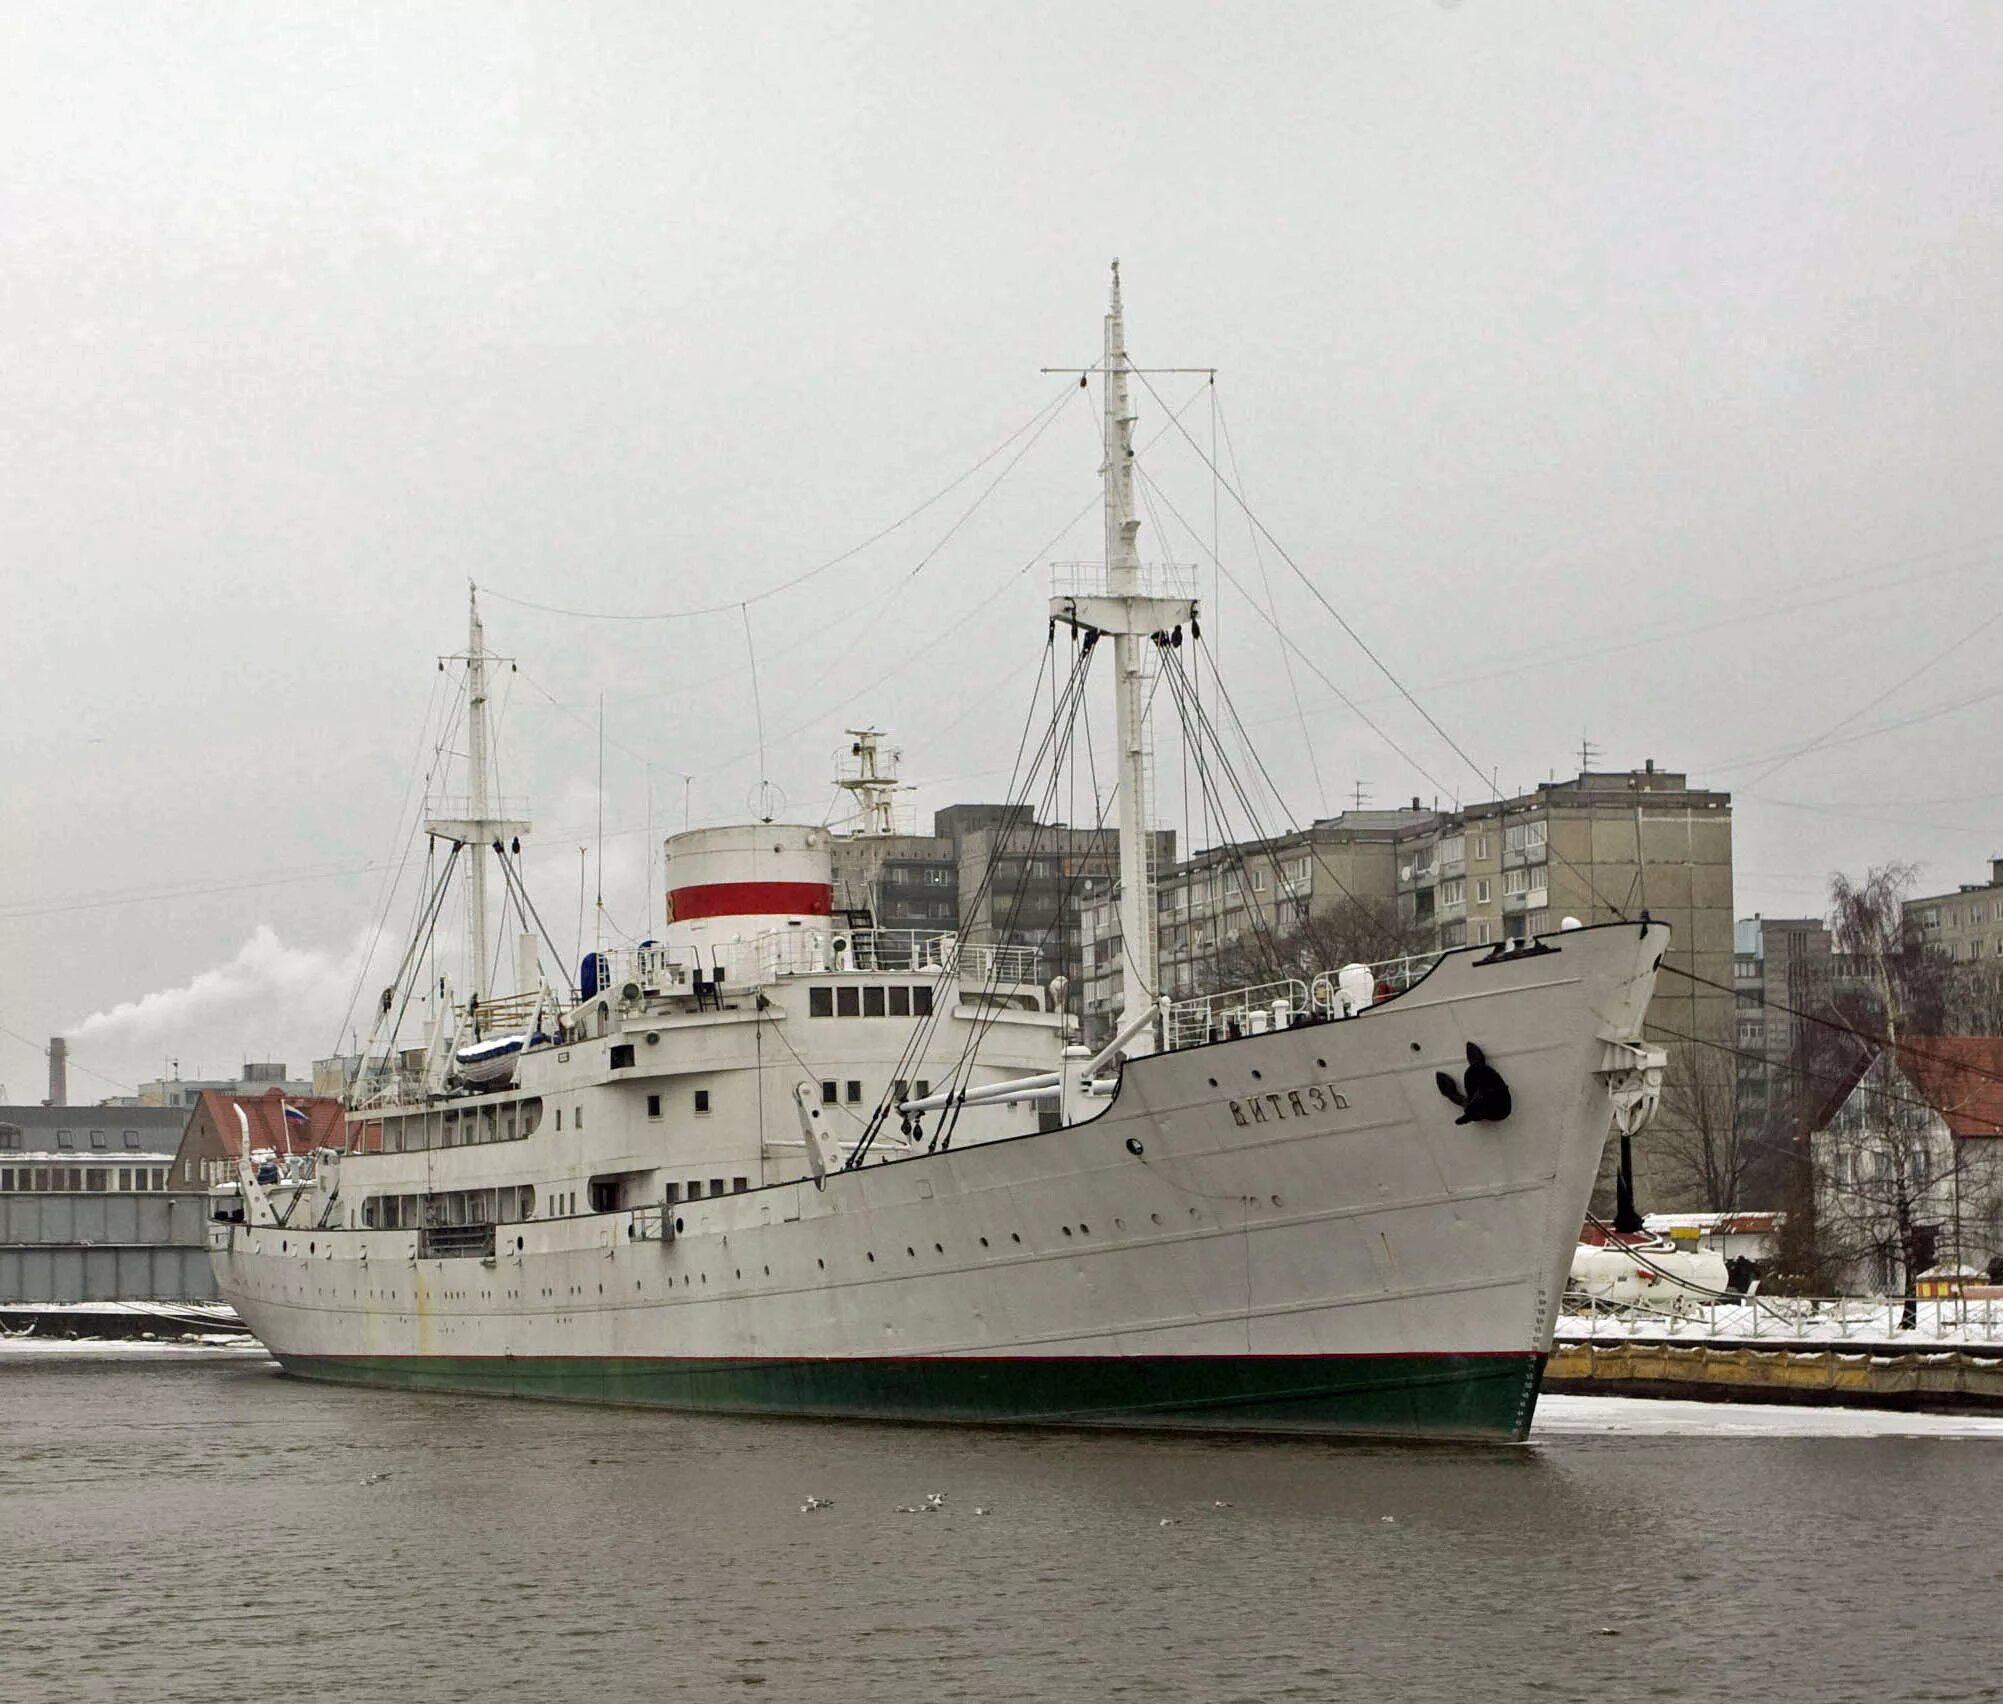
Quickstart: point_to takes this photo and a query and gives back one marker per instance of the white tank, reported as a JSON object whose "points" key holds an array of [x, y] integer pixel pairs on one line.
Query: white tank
{"points": [[737, 883], [1355, 987], [1655, 1275]]}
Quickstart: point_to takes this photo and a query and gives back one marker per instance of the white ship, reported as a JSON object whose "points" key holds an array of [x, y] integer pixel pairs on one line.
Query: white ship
{"points": [[781, 1162]]}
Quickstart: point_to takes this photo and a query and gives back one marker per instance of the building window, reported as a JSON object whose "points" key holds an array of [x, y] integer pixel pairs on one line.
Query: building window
{"points": [[1481, 891], [848, 1002], [1480, 933], [66, 1139], [97, 1139], [702, 1100], [1453, 892], [124, 1177], [653, 1106], [1481, 848], [132, 1138], [872, 1002], [820, 1002]]}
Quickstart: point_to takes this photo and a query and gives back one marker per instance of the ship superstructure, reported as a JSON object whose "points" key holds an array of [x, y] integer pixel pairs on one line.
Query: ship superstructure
{"points": [[783, 1160]]}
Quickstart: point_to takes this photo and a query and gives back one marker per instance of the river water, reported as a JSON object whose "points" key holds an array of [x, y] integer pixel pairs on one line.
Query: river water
{"points": [[191, 1527]]}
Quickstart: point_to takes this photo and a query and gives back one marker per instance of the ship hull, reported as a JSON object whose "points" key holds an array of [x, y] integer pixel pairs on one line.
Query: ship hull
{"points": [[1284, 1233], [1482, 1397]]}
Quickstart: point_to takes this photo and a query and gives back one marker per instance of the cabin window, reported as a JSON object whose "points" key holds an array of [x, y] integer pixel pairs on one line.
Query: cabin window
{"points": [[653, 1106], [820, 1002], [854, 1089], [924, 1087], [828, 1094], [716, 1186], [900, 1002], [921, 1002], [848, 1002], [738, 1185], [559, 1118], [872, 1002], [674, 1193], [577, 1118], [695, 1189], [622, 1055], [531, 1114], [702, 1100]]}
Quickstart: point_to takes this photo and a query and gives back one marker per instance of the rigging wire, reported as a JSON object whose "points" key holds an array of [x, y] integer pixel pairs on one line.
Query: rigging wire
{"points": [[1266, 583], [833, 562]]}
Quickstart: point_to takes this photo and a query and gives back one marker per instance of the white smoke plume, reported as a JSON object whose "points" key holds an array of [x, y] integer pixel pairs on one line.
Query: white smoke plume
{"points": [[268, 994]]}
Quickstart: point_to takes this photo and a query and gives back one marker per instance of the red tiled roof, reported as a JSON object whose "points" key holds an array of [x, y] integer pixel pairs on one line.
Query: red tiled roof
{"points": [[1961, 1078], [325, 1124]]}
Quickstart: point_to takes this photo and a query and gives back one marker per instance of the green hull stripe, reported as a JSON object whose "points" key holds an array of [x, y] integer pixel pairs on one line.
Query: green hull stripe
{"points": [[1417, 1396]]}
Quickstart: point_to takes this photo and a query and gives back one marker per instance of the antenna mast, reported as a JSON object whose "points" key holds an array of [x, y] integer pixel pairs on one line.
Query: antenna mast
{"points": [[875, 790]]}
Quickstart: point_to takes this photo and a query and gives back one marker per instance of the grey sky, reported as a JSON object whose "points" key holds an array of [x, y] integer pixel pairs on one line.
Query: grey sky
{"points": [[1542, 330]]}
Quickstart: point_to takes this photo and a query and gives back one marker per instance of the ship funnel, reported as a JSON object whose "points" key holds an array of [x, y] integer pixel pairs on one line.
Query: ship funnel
{"points": [[735, 884]]}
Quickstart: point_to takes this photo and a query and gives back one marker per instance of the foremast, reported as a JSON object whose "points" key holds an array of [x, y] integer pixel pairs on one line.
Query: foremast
{"points": [[1131, 617], [479, 827]]}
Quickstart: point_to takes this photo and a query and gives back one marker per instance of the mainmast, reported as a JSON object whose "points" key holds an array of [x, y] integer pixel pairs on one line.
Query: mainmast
{"points": [[478, 827], [1131, 617]]}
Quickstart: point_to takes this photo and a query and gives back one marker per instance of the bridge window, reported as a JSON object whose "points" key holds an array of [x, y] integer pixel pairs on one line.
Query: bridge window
{"points": [[702, 1100], [900, 1002], [848, 1002], [854, 1089], [872, 1002], [653, 1106], [820, 1002], [921, 1002], [739, 1185], [622, 1055], [828, 1095]]}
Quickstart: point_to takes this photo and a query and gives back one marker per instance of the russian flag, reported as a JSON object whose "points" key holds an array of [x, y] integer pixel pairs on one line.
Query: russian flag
{"points": [[294, 1115]]}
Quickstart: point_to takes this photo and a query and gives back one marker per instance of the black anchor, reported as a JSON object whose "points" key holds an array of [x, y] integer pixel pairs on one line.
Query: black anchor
{"points": [[1485, 1099]]}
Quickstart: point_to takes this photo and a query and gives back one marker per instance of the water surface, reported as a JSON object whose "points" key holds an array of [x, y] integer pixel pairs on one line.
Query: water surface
{"points": [[190, 1528]]}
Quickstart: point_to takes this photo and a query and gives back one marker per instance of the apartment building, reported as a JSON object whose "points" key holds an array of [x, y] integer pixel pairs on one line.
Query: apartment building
{"points": [[1966, 925]]}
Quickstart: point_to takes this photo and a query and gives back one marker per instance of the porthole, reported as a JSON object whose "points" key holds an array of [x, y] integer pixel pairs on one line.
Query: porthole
{"points": [[938, 1248], [1119, 1224], [1256, 1077], [908, 1249], [1134, 1146], [1015, 1236], [872, 1258], [822, 1264], [768, 1272], [739, 1271], [1321, 1064], [984, 1242], [1067, 1230], [1415, 1047], [1084, 1230], [1276, 1201], [1213, 1082]]}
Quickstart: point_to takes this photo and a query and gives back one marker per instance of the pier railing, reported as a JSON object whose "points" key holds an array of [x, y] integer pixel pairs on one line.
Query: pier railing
{"points": [[1832, 1320]]}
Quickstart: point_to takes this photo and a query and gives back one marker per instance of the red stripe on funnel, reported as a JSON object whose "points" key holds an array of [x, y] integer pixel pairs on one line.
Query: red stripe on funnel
{"points": [[749, 899]]}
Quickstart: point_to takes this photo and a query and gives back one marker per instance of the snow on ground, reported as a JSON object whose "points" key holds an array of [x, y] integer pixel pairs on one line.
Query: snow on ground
{"points": [[124, 1348], [1646, 1416]]}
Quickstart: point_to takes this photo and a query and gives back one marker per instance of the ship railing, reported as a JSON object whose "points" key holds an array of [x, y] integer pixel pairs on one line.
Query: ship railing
{"points": [[387, 1083], [1252, 1010], [1157, 580], [796, 952], [1817, 1320]]}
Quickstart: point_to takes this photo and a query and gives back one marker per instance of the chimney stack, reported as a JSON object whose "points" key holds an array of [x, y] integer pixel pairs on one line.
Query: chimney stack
{"points": [[59, 1075]]}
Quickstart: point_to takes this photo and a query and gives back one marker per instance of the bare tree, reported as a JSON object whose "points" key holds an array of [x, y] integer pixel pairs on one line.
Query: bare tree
{"points": [[1702, 1143], [1881, 1157], [1352, 932]]}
